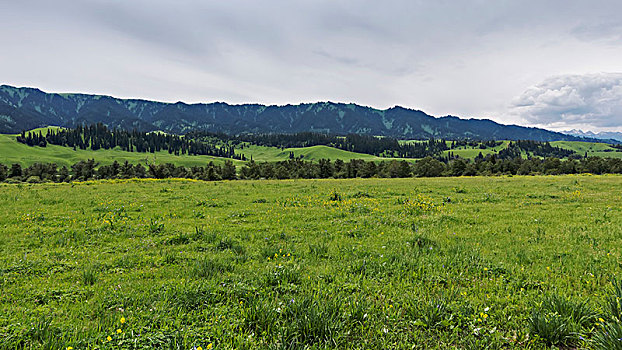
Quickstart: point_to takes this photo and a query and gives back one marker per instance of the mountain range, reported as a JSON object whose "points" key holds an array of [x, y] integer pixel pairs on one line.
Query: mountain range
{"points": [[23, 108], [605, 136]]}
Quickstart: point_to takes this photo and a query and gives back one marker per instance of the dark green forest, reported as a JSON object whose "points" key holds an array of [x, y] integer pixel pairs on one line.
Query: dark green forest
{"points": [[300, 169]]}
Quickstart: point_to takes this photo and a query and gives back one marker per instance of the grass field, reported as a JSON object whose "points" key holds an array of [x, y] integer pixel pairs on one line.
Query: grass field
{"points": [[445, 263], [12, 151], [271, 154], [593, 149], [472, 152]]}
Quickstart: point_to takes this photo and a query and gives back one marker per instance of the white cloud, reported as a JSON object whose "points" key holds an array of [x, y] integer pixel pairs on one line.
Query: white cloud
{"points": [[589, 101]]}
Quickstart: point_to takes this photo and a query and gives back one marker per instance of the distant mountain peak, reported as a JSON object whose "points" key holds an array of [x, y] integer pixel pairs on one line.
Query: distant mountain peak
{"points": [[29, 108], [606, 136]]}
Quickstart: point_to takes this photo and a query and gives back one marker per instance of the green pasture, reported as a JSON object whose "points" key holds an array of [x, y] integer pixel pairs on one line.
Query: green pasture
{"points": [[12, 151], [442, 263], [315, 153], [593, 149]]}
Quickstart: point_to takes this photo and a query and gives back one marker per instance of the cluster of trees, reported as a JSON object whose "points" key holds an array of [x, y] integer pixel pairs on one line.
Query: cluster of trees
{"points": [[98, 136], [534, 148], [390, 147], [475, 143], [298, 168], [378, 146], [92, 170]]}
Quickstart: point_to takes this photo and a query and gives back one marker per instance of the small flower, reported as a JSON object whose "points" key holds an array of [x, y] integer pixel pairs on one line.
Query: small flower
{"points": [[69, 348], [209, 346], [601, 320], [119, 331], [108, 338], [199, 348], [122, 319]]}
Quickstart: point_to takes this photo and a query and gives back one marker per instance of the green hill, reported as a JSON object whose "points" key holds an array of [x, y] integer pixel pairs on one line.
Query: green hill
{"points": [[593, 149], [271, 154], [12, 151], [472, 152]]}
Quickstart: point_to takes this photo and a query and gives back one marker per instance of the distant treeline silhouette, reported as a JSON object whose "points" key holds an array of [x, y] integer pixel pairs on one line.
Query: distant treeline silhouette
{"points": [[301, 169]]}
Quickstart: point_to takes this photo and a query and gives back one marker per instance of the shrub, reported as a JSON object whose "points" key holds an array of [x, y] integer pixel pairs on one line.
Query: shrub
{"points": [[551, 328]]}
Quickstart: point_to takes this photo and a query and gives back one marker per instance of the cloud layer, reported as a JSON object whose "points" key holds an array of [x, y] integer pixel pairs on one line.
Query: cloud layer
{"points": [[574, 101], [467, 58]]}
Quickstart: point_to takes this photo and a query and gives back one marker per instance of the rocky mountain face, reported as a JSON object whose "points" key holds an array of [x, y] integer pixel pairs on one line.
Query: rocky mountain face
{"points": [[28, 108]]}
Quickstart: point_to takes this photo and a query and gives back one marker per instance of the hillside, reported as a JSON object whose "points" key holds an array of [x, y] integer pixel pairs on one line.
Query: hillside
{"points": [[28, 108], [15, 152]]}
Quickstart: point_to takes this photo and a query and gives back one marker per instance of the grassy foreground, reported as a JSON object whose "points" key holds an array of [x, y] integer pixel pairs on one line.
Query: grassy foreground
{"points": [[445, 263]]}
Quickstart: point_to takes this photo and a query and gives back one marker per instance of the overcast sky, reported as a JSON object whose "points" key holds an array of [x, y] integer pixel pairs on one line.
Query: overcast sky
{"points": [[553, 64]]}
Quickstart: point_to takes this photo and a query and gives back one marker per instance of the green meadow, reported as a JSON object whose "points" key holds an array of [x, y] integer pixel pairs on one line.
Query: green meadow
{"points": [[13, 152], [440, 263], [593, 149], [315, 153]]}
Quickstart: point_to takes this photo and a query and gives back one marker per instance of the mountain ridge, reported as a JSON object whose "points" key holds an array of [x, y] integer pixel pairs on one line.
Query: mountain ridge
{"points": [[604, 136], [23, 108]]}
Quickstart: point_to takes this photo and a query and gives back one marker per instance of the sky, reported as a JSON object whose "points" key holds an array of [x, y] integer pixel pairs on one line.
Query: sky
{"points": [[552, 64]]}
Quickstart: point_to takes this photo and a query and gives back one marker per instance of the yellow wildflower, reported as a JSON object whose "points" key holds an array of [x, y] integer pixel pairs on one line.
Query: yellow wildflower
{"points": [[122, 319], [109, 338], [119, 331], [209, 346]]}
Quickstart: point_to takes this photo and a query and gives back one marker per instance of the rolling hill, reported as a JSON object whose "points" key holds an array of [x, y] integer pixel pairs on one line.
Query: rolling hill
{"points": [[28, 108], [15, 152]]}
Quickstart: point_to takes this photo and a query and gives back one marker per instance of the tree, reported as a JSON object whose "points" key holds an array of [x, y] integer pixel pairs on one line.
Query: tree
{"points": [[428, 167], [16, 170], [4, 172], [228, 171], [326, 168], [457, 167], [63, 175]]}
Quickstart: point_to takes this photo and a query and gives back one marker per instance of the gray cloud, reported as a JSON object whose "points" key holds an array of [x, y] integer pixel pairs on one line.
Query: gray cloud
{"points": [[570, 101], [467, 58]]}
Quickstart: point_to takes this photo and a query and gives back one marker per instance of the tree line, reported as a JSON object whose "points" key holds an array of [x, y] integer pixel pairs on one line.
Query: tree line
{"points": [[98, 136], [359, 143], [301, 169], [387, 146]]}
